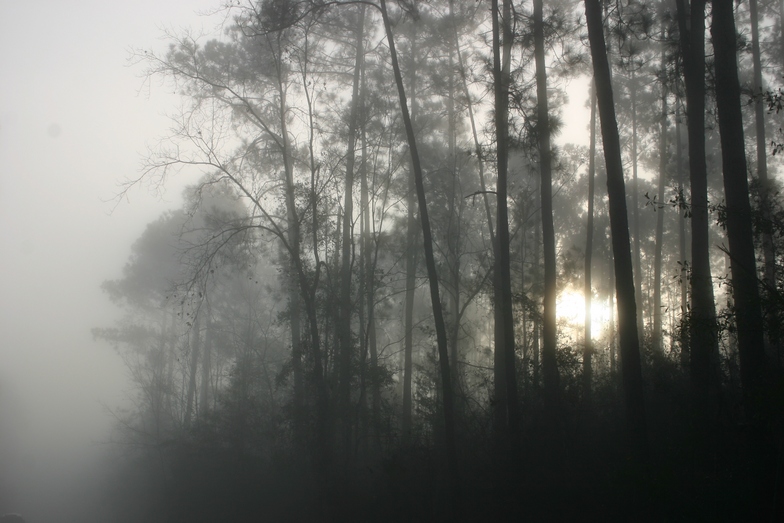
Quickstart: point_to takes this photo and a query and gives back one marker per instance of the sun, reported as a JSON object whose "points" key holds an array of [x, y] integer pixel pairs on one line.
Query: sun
{"points": [[570, 309]]}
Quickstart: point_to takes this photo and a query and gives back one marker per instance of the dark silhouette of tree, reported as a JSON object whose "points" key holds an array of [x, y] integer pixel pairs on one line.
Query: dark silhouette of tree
{"points": [[703, 343], [766, 187], [589, 226], [745, 290], [624, 280], [344, 329], [504, 332], [656, 335], [438, 316], [549, 335]]}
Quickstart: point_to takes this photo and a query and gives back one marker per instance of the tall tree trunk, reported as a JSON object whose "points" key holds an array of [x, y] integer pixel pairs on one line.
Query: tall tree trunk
{"points": [[549, 364], [299, 281], [768, 248], [524, 311], [408, 344], [453, 230], [369, 269], [536, 279], [656, 335], [447, 394], [194, 364], [295, 325], [295, 284], [748, 314], [169, 351], [474, 134], [505, 342], [587, 289], [411, 259], [781, 27], [703, 344], [204, 393], [636, 216], [612, 308], [344, 328], [323, 417], [683, 256], [624, 279], [499, 383]]}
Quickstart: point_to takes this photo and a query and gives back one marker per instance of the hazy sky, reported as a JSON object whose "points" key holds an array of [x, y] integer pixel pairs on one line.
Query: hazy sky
{"points": [[73, 123]]}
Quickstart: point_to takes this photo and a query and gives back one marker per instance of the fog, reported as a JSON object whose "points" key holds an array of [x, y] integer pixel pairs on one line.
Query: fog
{"points": [[74, 119], [254, 266]]}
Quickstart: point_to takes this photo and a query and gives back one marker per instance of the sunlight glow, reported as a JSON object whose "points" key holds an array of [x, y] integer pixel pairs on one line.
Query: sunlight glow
{"points": [[570, 309]]}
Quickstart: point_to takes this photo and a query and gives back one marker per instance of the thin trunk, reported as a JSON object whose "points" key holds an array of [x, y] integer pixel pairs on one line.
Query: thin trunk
{"points": [[323, 418], [447, 394], [499, 372], [295, 285], [297, 352], [703, 344], [453, 230], [523, 312], [500, 406], [207, 363], [624, 279], [611, 323], [549, 364], [683, 255], [194, 363], [748, 314], [505, 342], [536, 279], [636, 218], [168, 352], [587, 289], [475, 136], [499, 383], [344, 328], [768, 248], [408, 344], [411, 259], [307, 291], [656, 335], [781, 27], [369, 271]]}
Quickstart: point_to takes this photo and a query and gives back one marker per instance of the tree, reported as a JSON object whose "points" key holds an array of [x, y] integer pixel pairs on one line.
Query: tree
{"points": [[589, 226], [624, 279], [243, 85], [657, 277], [549, 365], [411, 257], [703, 342], [438, 316], [172, 269], [745, 290], [344, 329], [504, 333], [766, 188]]}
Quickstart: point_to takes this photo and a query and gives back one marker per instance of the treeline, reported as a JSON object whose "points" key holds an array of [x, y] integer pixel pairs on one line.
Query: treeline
{"points": [[361, 310]]}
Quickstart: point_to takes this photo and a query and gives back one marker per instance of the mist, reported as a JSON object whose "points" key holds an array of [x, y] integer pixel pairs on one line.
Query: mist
{"points": [[286, 260], [74, 120]]}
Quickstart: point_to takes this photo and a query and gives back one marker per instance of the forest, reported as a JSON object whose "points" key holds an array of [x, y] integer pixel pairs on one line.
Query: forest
{"points": [[395, 292]]}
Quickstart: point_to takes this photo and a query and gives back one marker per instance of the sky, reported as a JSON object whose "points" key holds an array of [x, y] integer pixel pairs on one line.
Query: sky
{"points": [[75, 120]]}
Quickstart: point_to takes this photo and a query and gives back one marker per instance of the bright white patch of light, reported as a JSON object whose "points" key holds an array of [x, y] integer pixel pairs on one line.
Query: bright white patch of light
{"points": [[570, 309]]}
